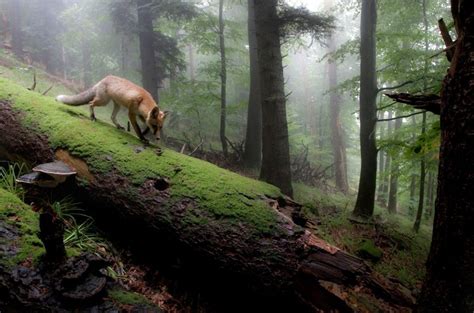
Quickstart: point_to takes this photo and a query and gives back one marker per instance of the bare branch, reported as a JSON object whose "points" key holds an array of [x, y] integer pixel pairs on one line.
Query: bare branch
{"points": [[431, 103], [32, 88], [47, 90], [448, 41], [398, 86], [399, 117]]}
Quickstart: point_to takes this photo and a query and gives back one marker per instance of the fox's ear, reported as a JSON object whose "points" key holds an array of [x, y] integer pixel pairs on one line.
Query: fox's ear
{"points": [[155, 113], [166, 113]]}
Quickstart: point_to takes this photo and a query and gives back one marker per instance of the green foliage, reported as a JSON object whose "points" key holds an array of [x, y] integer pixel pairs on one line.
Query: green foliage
{"points": [[8, 178], [130, 298]]}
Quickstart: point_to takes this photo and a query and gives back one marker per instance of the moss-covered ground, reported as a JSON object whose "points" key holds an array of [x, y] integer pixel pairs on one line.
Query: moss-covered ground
{"points": [[222, 193]]}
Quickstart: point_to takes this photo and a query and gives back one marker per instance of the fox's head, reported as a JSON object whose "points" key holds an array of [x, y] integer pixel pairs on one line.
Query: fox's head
{"points": [[155, 121]]}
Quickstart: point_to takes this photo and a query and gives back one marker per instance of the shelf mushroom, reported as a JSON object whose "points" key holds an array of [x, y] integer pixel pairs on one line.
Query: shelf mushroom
{"points": [[48, 175]]}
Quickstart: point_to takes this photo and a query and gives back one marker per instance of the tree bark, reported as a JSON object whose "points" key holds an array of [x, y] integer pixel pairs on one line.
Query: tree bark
{"points": [[337, 133], [275, 143], [449, 283], [223, 76], [147, 48], [368, 111], [283, 265], [394, 173], [253, 137]]}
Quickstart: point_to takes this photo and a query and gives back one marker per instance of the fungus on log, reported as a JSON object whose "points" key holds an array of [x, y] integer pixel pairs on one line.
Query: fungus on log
{"points": [[231, 232]]}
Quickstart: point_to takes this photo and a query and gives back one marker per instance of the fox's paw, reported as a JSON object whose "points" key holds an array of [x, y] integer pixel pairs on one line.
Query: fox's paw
{"points": [[146, 142], [120, 127], [93, 118]]}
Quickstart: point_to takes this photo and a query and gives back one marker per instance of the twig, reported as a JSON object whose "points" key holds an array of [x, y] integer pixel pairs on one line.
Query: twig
{"points": [[32, 88], [47, 90], [399, 117], [198, 146], [398, 86], [183, 148]]}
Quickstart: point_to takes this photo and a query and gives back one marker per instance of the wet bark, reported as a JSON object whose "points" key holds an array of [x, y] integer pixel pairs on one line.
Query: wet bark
{"points": [[253, 137], [275, 143], [368, 111], [223, 75], [449, 283]]}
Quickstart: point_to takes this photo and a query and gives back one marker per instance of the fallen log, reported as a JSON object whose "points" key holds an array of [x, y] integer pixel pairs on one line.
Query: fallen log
{"points": [[229, 231]]}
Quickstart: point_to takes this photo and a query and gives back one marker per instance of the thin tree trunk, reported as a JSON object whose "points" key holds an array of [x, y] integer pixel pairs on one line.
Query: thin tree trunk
{"points": [[86, 64], [387, 166], [147, 48], [337, 133], [381, 159], [253, 138], [275, 144], [368, 111], [421, 199], [15, 23], [192, 66], [394, 173], [223, 75]]}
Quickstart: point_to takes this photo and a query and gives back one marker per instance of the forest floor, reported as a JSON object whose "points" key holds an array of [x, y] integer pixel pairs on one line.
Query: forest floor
{"points": [[388, 243]]}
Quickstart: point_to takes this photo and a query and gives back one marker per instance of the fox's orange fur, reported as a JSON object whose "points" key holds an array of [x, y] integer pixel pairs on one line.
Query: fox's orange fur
{"points": [[122, 92]]}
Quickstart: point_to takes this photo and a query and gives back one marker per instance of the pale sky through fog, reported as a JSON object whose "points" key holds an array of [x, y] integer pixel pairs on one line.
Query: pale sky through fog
{"points": [[312, 5]]}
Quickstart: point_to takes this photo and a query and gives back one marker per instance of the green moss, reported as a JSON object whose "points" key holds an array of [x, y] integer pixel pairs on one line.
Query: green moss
{"points": [[367, 249], [128, 298], [14, 212], [219, 192]]}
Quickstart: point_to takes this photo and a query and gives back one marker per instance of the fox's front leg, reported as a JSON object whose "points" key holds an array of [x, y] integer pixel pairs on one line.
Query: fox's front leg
{"points": [[133, 121]]}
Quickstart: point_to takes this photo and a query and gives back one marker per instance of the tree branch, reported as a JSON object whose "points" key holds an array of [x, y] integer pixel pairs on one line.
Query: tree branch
{"points": [[448, 41], [431, 103], [399, 117], [398, 86]]}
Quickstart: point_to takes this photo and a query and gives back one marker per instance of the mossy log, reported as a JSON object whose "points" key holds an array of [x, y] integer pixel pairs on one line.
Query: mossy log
{"points": [[230, 231]]}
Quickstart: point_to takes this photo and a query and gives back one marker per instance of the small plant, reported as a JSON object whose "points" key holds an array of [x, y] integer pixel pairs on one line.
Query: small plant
{"points": [[79, 231], [8, 178]]}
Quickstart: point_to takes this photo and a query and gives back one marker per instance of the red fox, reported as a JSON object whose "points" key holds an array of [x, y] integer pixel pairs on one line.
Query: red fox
{"points": [[122, 92]]}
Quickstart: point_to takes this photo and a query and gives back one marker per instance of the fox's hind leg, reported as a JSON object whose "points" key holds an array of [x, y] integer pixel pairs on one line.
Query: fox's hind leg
{"points": [[97, 102], [114, 116]]}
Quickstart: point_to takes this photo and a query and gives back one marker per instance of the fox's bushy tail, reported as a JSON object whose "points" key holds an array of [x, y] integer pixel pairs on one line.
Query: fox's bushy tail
{"points": [[80, 99]]}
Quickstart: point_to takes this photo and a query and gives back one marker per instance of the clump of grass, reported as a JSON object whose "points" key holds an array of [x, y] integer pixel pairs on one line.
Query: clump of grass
{"points": [[79, 232], [8, 178]]}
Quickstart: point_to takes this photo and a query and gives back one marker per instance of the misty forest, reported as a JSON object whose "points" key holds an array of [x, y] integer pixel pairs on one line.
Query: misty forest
{"points": [[236, 156]]}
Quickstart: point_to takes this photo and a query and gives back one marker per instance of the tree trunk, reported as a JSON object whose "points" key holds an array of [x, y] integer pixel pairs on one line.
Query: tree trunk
{"points": [[223, 75], [381, 159], [147, 48], [15, 23], [253, 138], [228, 232], [368, 111], [86, 64], [421, 199], [192, 66], [275, 143], [449, 283], [394, 173], [337, 133], [387, 166]]}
